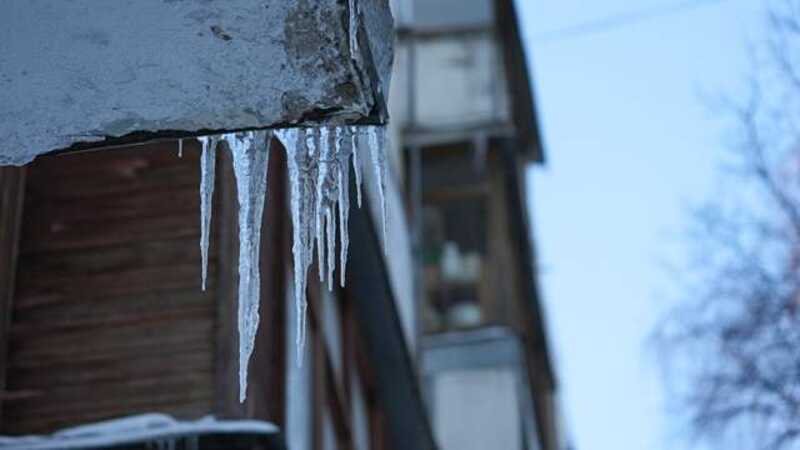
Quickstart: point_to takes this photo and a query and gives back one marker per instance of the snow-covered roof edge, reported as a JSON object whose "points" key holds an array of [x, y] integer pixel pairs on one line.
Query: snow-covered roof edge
{"points": [[133, 429]]}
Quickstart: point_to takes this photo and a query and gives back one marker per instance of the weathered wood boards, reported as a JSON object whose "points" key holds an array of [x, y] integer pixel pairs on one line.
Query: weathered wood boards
{"points": [[91, 72], [107, 315], [12, 186]]}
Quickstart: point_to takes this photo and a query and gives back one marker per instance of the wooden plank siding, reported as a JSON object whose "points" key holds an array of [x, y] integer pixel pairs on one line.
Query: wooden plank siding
{"points": [[226, 362], [108, 318], [12, 189]]}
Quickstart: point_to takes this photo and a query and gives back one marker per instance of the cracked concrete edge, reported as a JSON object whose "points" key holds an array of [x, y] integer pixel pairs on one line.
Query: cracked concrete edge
{"points": [[87, 74]]}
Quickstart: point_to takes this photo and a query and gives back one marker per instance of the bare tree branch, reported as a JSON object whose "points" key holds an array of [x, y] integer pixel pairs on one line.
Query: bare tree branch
{"points": [[736, 335]]}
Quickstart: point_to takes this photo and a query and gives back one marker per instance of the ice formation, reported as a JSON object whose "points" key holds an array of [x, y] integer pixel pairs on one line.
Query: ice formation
{"points": [[378, 156], [319, 162], [250, 151], [208, 162]]}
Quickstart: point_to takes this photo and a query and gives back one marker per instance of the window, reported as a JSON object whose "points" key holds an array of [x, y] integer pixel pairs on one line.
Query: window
{"points": [[454, 221]]}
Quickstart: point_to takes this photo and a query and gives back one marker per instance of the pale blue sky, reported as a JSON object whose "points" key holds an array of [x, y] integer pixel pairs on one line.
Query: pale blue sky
{"points": [[630, 143]]}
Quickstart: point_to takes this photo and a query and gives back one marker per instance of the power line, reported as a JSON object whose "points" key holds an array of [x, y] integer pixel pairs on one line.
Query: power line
{"points": [[619, 20]]}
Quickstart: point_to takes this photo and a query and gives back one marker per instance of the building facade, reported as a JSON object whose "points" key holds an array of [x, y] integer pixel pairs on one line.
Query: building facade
{"points": [[465, 129]]}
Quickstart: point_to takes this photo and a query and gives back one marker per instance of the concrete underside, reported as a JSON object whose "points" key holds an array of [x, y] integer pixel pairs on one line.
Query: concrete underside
{"points": [[88, 73]]}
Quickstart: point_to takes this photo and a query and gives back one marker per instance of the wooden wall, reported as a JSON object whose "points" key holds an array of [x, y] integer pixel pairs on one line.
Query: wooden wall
{"points": [[108, 318]]}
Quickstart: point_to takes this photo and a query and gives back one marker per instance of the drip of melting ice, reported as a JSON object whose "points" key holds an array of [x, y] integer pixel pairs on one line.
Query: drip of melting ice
{"points": [[319, 162]]}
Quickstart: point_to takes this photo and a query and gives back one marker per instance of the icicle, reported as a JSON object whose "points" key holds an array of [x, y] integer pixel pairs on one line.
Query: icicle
{"points": [[298, 162], [180, 148], [250, 155], [310, 168], [319, 163], [330, 191], [378, 155], [322, 154], [208, 164], [353, 131], [331, 251], [343, 154]]}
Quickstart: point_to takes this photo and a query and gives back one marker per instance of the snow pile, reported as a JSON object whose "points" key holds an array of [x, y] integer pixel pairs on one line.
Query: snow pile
{"points": [[319, 162], [160, 429]]}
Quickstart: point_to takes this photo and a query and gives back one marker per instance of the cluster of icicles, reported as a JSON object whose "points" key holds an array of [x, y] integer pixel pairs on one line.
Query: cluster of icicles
{"points": [[319, 162]]}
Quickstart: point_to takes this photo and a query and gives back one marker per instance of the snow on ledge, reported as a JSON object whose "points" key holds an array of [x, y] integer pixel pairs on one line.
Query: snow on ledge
{"points": [[134, 429]]}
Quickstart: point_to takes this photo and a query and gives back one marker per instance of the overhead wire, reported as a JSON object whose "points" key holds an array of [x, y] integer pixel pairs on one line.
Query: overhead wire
{"points": [[616, 21]]}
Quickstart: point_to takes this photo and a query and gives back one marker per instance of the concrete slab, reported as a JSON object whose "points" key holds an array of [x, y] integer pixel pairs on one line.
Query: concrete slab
{"points": [[88, 73]]}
